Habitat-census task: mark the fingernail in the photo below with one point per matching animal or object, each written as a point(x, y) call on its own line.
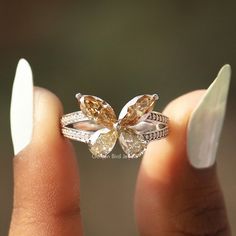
point(206, 121)
point(21, 112)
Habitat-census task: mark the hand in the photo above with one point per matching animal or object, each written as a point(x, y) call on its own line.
point(172, 197)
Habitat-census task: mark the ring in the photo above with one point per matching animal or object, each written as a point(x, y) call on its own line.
point(97, 125)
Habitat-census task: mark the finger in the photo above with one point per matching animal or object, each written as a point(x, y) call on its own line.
point(46, 178)
point(172, 197)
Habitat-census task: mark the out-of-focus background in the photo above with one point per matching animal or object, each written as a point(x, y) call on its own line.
point(116, 50)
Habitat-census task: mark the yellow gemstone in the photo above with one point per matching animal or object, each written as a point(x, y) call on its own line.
point(132, 143)
point(102, 142)
point(135, 109)
point(98, 110)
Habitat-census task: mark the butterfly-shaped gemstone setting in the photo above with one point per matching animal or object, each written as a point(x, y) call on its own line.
point(136, 125)
point(104, 139)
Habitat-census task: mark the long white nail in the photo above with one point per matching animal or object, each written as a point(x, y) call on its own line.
point(206, 122)
point(22, 107)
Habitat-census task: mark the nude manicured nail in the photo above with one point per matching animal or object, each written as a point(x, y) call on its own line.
point(22, 107)
point(206, 122)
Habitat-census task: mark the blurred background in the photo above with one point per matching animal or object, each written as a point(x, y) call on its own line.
point(116, 50)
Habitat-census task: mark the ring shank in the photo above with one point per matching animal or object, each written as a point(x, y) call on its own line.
point(82, 127)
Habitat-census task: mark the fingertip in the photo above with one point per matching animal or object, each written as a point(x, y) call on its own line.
point(46, 102)
point(164, 156)
point(180, 108)
point(47, 112)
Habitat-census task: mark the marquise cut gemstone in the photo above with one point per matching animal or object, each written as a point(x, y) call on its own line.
point(102, 142)
point(132, 143)
point(137, 108)
point(98, 110)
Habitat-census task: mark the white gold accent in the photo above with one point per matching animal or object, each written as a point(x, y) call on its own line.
point(78, 96)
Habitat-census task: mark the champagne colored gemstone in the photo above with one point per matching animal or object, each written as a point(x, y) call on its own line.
point(132, 143)
point(98, 110)
point(102, 142)
point(136, 109)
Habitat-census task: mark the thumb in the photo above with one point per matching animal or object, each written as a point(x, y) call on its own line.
point(172, 197)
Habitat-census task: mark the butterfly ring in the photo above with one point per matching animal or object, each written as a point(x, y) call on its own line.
point(97, 125)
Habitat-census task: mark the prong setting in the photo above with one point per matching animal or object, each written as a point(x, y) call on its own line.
point(78, 96)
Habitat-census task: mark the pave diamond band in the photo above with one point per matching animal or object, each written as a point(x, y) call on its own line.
point(96, 124)
point(77, 135)
point(73, 117)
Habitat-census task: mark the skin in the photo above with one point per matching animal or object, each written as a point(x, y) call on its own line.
point(172, 198)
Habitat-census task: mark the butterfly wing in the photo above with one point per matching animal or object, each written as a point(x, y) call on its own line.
point(132, 143)
point(102, 142)
point(136, 109)
point(98, 110)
